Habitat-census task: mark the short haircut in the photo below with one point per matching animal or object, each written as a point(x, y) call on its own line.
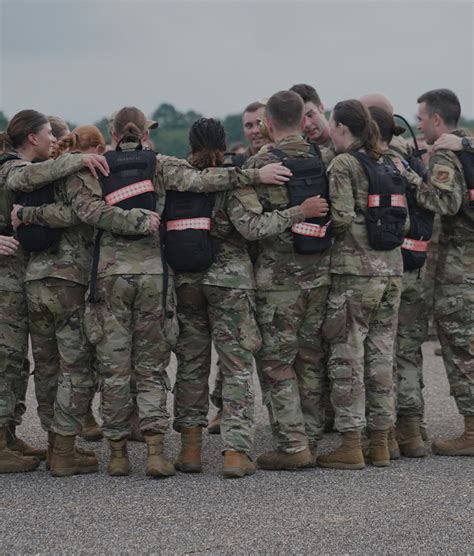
point(285, 110)
point(443, 102)
point(307, 93)
point(254, 106)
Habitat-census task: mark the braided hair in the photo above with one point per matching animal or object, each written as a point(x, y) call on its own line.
point(208, 143)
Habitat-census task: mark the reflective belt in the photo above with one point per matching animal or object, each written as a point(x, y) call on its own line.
point(415, 245)
point(188, 223)
point(395, 200)
point(311, 230)
point(471, 194)
point(128, 191)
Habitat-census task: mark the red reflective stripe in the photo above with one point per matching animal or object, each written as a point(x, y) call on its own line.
point(311, 230)
point(373, 201)
point(395, 201)
point(415, 245)
point(471, 194)
point(128, 191)
point(189, 223)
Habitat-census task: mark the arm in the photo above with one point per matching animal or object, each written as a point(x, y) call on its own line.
point(341, 195)
point(451, 142)
point(443, 193)
point(54, 215)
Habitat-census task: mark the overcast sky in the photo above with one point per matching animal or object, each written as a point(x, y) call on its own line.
point(83, 59)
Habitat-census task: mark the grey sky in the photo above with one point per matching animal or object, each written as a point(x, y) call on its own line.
point(83, 59)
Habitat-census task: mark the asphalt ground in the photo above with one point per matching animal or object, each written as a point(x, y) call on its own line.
point(419, 506)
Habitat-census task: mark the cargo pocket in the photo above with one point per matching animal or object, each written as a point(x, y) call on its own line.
point(341, 385)
point(335, 324)
point(94, 322)
point(269, 334)
point(249, 331)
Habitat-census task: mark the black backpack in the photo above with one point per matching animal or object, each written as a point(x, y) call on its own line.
point(308, 180)
point(467, 161)
point(187, 236)
point(386, 210)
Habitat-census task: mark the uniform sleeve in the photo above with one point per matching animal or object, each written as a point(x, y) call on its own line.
point(25, 176)
point(341, 195)
point(54, 215)
point(85, 196)
point(246, 213)
point(179, 175)
point(443, 192)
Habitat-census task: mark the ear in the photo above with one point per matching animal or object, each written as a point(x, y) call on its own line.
point(100, 149)
point(146, 135)
point(321, 108)
point(437, 120)
point(32, 139)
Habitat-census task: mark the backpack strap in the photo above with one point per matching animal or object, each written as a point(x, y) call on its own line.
point(93, 297)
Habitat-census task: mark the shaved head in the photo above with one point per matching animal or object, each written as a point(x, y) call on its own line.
point(377, 100)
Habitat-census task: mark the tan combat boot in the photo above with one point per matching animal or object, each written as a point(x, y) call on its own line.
point(214, 426)
point(136, 434)
point(18, 445)
point(157, 465)
point(14, 462)
point(119, 465)
point(277, 460)
point(66, 461)
point(91, 430)
point(409, 437)
point(393, 447)
point(378, 453)
point(461, 446)
point(189, 459)
point(49, 451)
point(348, 456)
point(237, 464)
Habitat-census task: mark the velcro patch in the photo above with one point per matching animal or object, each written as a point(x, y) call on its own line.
point(442, 177)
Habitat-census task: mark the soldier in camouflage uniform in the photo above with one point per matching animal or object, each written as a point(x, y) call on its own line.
point(363, 302)
point(291, 299)
point(448, 194)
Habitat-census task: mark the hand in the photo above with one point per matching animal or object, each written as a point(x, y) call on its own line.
point(314, 207)
point(154, 222)
point(8, 245)
point(14, 216)
point(449, 142)
point(93, 161)
point(274, 174)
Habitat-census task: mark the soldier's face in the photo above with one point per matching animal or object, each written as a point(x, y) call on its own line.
point(252, 129)
point(42, 142)
point(426, 124)
point(315, 121)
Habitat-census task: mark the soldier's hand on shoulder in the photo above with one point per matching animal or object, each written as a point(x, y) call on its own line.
point(274, 174)
point(314, 207)
point(8, 246)
point(449, 142)
point(96, 162)
point(14, 216)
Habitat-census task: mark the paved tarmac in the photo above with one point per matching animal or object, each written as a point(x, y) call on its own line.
point(422, 506)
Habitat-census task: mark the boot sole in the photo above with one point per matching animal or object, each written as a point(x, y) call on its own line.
point(337, 465)
point(74, 471)
point(159, 474)
point(16, 470)
point(469, 452)
point(236, 472)
point(188, 468)
point(119, 473)
point(415, 453)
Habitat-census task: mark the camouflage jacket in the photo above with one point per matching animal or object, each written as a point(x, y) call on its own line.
point(351, 252)
point(278, 266)
point(120, 255)
point(446, 194)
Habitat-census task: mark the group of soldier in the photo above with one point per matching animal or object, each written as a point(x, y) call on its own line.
point(302, 256)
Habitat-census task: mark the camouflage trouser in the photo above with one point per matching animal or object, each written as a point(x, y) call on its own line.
point(129, 329)
point(226, 316)
point(454, 316)
point(361, 326)
point(291, 363)
point(14, 365)
point(412, 331)
point(216, 395)
point(64, 378)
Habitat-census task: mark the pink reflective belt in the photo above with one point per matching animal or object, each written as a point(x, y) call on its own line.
point(415, 245)
point(395, 200)
point(471, 194)
point(189, 223)
point(128, 191)
point(311, 230)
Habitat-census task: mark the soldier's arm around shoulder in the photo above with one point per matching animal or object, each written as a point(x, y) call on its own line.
point(341, 172)
point(443, 192)
point(55, 215)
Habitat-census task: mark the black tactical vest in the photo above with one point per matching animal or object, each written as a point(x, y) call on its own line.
point(467, 161)
point(308, 180)
point(386, 211)
point(187, 221)
point(130, 181)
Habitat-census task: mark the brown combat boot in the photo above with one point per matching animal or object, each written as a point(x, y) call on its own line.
point(14, 462)
point(214, 426)
point(66, 460)
point(461, 446)
point(393, 447)
point(136, 434)
point(348, 456)
point(277, 460)
point(157, 465)
point(378, 453)
point(237, 464)
point(189, 459)
point(91, 430)
point(119, 465)
point(409, 437)
point(16, 444)
point(49, 451)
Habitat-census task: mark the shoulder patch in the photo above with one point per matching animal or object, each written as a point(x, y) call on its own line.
point(442, 177)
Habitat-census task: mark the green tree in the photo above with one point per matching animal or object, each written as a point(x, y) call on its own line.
point(3, 121)
point(233, 129)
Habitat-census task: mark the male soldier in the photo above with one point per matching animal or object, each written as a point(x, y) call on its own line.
point(450, 193)
point(291, 298)
point(317, 126)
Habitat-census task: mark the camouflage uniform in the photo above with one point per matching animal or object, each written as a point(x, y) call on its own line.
point(446, 194)
point(128, 325)
point(291, 301)
point(362, 309)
